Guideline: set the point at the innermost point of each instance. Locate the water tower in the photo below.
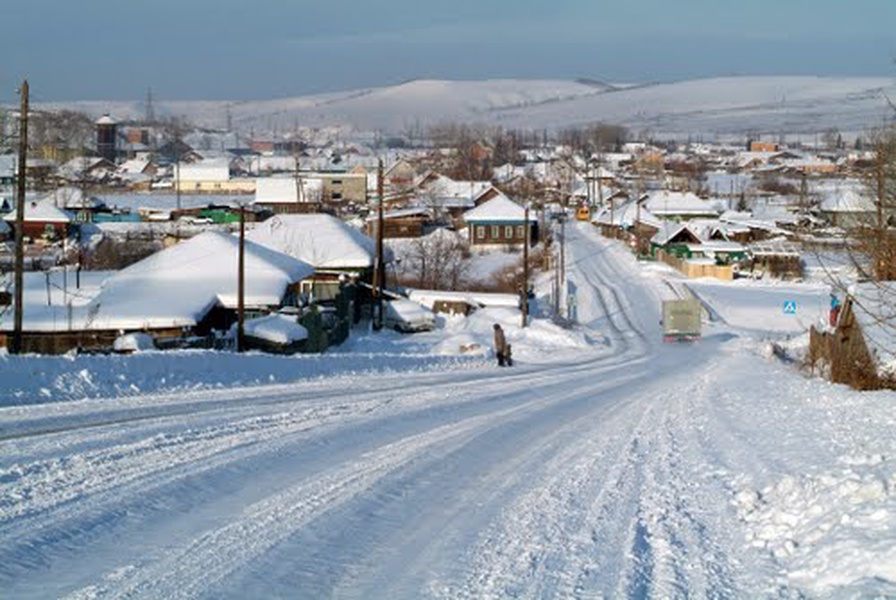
(106, 138)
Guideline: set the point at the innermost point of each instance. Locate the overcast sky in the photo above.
(259, 49)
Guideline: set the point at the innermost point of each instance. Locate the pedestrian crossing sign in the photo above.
(789, 307)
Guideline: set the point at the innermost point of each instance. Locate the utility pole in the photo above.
(880, 262)
(378, 275)
(241, 284)
(525, 291)
(17, 342)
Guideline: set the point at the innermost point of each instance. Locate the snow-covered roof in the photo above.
(43, 211)
(174, 288)
(847, 200)
(134, 165)
(775, 247)
(213, 169)
(445, 188)
(498, 209)
(277, 189)
(668, 230)
(179, 285)
(625, 214)
(284, 189)
(664, 202)
(73, 198)
(713, 246)
(318, 239)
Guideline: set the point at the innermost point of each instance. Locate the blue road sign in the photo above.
(790, 307)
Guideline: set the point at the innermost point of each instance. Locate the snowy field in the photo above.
(713, 107)
(605, 463)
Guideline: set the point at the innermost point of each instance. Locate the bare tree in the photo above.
(437, 261)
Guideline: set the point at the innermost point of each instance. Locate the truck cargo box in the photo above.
(681, 320)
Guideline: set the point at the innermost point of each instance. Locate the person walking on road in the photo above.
(502, 348)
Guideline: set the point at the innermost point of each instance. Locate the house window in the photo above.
(480, 232)
(336, 196)
(521, 232)
(508, 232)
(337, 182)
(496, 232)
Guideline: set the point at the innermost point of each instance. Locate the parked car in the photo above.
(407, 316)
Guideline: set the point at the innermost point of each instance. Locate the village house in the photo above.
(500, 220)
(210, 176)
(93, 169)
(336, 250)
(848, 208)
(187, 290)
(678, 206)
(287, 195)
(448, 199)
(400, 223)
(42, 219)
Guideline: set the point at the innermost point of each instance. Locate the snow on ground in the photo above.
(773, 308)
(604, 464)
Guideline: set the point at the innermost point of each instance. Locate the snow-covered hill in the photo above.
(701, 107)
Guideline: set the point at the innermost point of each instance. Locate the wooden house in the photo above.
(500, 220)
(42, 219)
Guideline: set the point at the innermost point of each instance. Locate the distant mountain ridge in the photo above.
(714, 107)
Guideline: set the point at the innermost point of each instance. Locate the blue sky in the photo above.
(258, 49)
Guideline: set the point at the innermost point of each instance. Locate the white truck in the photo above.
(681, 320)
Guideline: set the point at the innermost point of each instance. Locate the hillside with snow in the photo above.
(715, 107)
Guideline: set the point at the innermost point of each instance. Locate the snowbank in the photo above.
(835, 531)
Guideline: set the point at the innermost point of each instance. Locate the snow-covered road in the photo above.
(629, 469)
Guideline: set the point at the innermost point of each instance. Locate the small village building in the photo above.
(42, 219)
(82, 207)
(341, 187)
(779, 258)
(86, 169)
(625, 219)
(400, 174)
(676, 239)
(449, 199)
(500, 220)
(210, 176)
(187, 290)
(848, 208)
(137, 173)
(401, 223)
(678, 206)
(287, 195)
(337, 251)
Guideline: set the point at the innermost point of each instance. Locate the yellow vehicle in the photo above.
(583, 213)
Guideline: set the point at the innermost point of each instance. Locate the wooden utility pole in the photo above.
(525, 290)
(241, 284)
(880, 254)
(17, 342)
(378, 275)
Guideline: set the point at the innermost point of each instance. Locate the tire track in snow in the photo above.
(188, 571)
